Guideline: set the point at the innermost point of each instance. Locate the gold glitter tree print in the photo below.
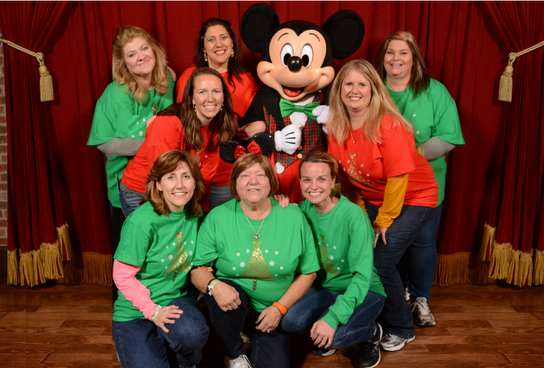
(180, 261)
(256, 268)
(353, 174)
(324, 260)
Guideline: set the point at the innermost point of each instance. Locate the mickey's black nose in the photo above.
(294, 64)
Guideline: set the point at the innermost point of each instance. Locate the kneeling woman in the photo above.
(340, 308)
(258, 247)
(156, 322)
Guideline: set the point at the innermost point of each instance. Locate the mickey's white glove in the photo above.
(322, 114)
(288, 139)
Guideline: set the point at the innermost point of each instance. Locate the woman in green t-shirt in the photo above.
(428, 106)
(265, 261)
(156, 321)
(141, 87)
(340, 308)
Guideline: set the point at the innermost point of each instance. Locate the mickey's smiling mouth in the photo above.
(292, 92)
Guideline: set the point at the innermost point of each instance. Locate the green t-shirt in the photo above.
(151, 242)
(264, 267)
(432, 114)
(344, 241)
(117, 115)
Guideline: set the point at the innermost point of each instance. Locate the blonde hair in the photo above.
(380, 104)
(121, 74)
(419, 75)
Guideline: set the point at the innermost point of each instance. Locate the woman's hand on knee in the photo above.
(268, 320)
(322, 334)
(167, 315)
(226, 297)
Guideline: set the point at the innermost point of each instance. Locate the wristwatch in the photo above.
(211, 285)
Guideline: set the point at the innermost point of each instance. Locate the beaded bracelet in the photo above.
(152, 319)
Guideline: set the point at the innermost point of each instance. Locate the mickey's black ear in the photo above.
(346, 30)
(258, 23)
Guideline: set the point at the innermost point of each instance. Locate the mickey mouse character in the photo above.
(296, 65)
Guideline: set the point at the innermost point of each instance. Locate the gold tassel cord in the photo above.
(46, 82)
(506, 83)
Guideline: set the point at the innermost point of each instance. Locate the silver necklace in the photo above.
(256, 236)
(178, 233)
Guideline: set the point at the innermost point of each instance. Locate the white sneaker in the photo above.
(422, 313)
(241, 362)
(392, 342)
(407, 295)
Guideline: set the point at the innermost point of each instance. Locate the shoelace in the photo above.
(242, 362)
(423, 307)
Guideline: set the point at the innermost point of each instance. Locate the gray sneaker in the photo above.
(422, 314)
(241, 362)
(392, 342)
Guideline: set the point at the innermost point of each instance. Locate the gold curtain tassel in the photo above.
(505, 84)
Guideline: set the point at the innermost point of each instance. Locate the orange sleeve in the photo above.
(393, 200)
(165, 135)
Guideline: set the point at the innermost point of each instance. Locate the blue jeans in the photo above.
(141, 344)
(419, 280)
(396, 314)
(130, 199)
(315, 304)
(219, 195)
(268, 350)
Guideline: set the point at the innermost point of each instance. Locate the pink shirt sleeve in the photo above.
(124, 276)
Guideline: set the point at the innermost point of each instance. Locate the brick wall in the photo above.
(3, 158)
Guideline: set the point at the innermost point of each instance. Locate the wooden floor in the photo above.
(478, 326)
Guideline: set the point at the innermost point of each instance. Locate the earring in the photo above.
(221, 109)
(194, 108)
(205, 57)
(232, 53)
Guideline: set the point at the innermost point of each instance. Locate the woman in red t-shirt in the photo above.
(199, 124)
(218, 49)
(382, 170)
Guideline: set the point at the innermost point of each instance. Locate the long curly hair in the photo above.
(226, 125)
(380, 104)
(121, 74)
(165, 164)
(235, 64)
(419, 76)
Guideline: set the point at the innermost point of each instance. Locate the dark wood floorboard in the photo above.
(491, 326)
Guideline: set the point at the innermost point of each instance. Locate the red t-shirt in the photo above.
(366, 166)
(242, 94)
(165, 133)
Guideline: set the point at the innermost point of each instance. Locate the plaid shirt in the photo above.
(313, 137)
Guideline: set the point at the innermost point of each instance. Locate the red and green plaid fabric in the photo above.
(313, 137)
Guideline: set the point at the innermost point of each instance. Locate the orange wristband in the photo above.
(282, 308)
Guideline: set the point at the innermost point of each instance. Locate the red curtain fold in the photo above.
(515, 191)
(34, 180)
(457, 48)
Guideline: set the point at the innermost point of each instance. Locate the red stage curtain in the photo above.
(35, 254)
(516, 250)
(456, 45)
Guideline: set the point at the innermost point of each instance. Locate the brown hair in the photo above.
(121, 74)
(321, 158)
(380, 104)
(235, 64)
(244, 163)
(419, 76)
(226, 126)
(165, 164)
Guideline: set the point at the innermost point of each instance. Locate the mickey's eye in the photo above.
(307, 55)
(286, 53)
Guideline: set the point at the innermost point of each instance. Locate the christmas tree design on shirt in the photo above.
(324, 260)
(256, 268)
(180, 261)
(354, 175)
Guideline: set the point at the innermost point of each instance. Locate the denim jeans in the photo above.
(419, 280)
(219, 195)
(396, 314)
(268, 350)
(315, 304)
(130, 199)
(141, 344)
